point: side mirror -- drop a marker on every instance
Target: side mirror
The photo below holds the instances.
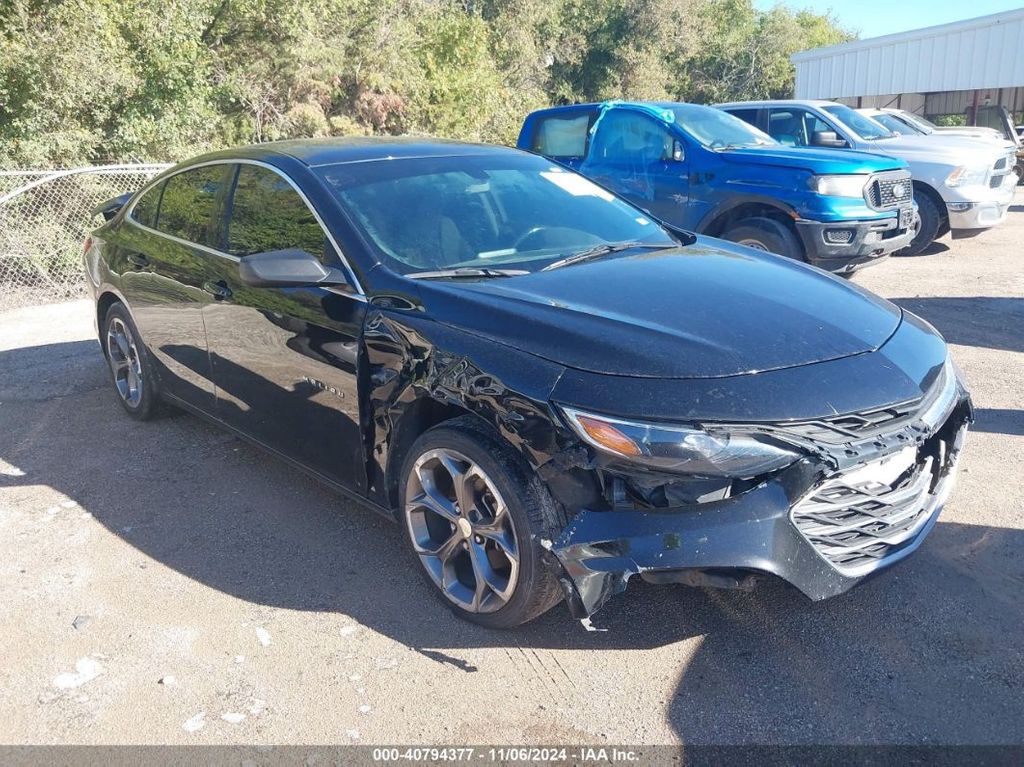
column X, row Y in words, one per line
column 291, row 268
column 678, row 155
column 827, row 138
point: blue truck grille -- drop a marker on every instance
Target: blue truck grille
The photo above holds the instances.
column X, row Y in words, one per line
column 890, row 190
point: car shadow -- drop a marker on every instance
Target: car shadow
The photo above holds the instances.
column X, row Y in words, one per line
column 932, row 250
column 999, row 421
column 770, row 666
column 983, row 321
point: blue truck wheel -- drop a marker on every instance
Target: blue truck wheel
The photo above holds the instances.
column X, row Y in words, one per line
column 765, row 234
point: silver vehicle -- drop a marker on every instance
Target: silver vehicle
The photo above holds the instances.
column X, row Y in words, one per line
column 907, row 123
column 961, row 184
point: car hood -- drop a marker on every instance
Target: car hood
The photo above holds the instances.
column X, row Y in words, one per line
column 958, row 150
column 818, row 161
column 702, row 311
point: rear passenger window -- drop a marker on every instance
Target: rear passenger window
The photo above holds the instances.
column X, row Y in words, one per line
column 562, row 136
column 747, row 115
column 189, row 202
column 145, row 209
column 268, row 214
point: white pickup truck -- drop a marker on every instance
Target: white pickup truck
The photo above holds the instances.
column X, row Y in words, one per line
column 910, row 124
column 961, row 184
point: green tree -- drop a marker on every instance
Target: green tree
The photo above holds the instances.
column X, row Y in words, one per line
column 86, row 81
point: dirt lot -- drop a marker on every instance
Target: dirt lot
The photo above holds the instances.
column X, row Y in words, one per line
column 167, row 583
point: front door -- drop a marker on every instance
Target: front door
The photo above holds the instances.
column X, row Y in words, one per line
column 633, row 154
column 285, row 360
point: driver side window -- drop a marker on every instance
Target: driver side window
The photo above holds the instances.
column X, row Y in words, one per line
column 267, row 214
column 631, row 139
column 795, row 127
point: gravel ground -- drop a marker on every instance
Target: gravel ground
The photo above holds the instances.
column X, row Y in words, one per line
column 167, row 583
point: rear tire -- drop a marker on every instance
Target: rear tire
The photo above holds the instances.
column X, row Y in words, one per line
column 766, row 234
column 929, row 222
column 130, row 366
column 484, row 561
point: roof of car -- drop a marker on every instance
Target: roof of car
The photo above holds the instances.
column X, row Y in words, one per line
column 333, row 151
column 780, row 102
column 616, row 103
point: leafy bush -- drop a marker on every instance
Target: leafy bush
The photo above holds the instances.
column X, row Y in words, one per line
column 85, row 81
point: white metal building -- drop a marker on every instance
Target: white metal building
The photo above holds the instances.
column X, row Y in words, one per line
column 946, row 69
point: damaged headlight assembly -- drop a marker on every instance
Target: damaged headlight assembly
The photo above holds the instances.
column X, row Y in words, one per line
column 679, row 449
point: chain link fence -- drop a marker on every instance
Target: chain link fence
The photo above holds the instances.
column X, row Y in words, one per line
column 44, row 218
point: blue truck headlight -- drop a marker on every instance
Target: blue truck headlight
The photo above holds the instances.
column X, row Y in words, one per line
column 681, row 449
column 848, row 185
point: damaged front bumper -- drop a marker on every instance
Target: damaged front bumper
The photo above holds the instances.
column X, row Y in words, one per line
column 822, row 528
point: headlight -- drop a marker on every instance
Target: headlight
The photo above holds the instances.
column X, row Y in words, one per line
column 679, row 448
column 940, row 402
column 964, row 176
column 839, row 186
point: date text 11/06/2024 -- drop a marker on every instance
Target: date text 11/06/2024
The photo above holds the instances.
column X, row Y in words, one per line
column 504, row 754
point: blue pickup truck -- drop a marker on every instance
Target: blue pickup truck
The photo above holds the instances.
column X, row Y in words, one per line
column 698, row 168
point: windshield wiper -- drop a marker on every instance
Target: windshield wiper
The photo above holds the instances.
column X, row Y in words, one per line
column 744, row 145
column 600, row 250
column 466, row 271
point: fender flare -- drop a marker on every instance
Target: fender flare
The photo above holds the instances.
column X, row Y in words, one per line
column 736, row 201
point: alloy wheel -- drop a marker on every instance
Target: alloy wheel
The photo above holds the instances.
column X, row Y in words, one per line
column 124, row 362
column 462, row 530
column 755, row 244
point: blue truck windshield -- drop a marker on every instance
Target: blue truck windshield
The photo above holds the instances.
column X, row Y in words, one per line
column 716, row 129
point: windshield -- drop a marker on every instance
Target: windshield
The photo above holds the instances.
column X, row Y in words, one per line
column 484, row 213
column 716, row 129
column 863, row 126
column 895, row 124
column 924, row 122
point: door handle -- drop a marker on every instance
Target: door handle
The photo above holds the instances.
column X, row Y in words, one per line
column 137, row 259
column 219, row 290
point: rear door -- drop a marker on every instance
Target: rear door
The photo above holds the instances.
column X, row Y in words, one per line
column 285, row 360
column 632, row 154
column 752, row 115
column 562, row 136
column 168, row 248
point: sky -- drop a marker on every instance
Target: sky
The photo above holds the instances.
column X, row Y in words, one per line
column 873, row 18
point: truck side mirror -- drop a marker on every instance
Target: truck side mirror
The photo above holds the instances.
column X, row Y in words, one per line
column 827, row 138
column 678, row 155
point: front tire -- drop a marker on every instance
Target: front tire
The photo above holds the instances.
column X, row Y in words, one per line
column 928, row 223
column 130, row 366
column 766, row 234
column 473, row 512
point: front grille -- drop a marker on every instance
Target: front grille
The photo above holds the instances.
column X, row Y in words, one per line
column 872, row 507
column 853, row 427
column 1001, row 168
column 889, row 190
column 855, row 520
column 872, row 425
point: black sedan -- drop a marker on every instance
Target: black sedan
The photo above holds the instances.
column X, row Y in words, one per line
column 549, row 390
